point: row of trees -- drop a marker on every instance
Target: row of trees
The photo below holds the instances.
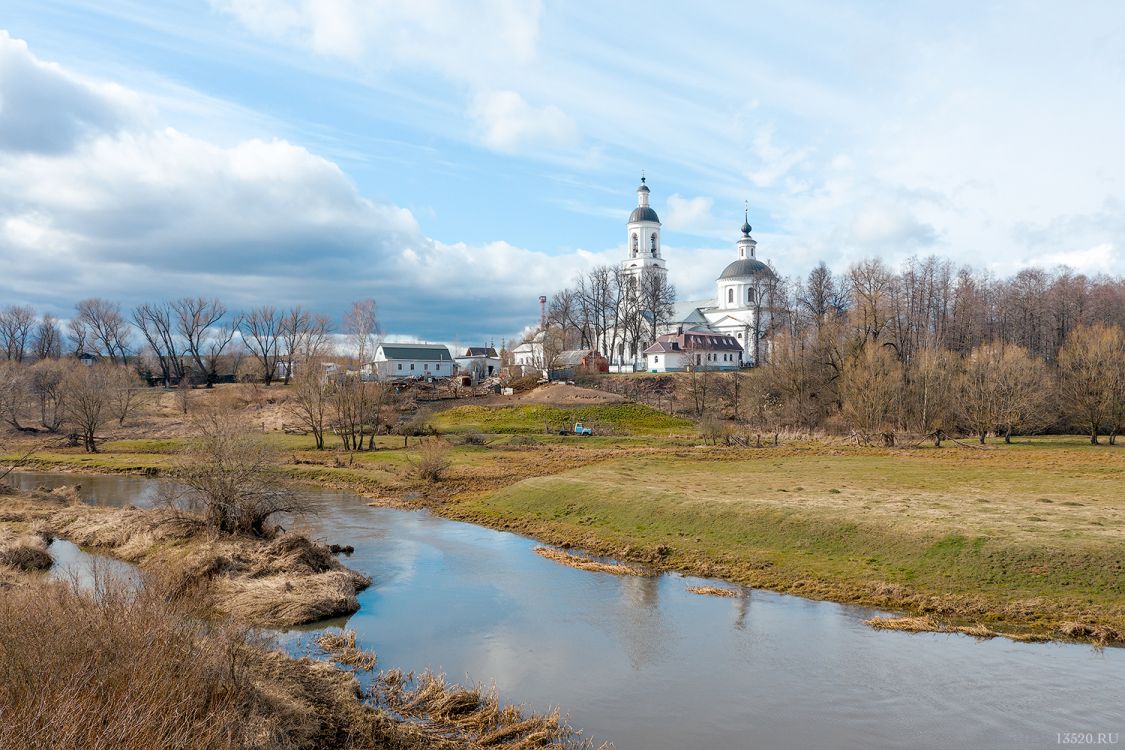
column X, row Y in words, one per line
column 190, row 338
column 609, row 309
column 932, row 351
column 66, row 395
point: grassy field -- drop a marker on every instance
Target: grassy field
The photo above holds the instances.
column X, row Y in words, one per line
column 609, row 419
column 1024, row 536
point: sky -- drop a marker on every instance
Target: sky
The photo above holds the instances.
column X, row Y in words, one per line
column 456, row 160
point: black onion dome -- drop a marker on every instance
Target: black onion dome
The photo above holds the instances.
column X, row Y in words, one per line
column 745, row 267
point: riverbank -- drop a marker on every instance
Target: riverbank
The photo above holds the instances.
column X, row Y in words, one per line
column 1023, row 539
column 173, row 663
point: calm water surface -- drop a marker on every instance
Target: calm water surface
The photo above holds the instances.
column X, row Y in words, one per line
column 645, row 664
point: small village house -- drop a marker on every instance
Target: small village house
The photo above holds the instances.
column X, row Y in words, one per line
column 410, row 361
column 479, row 362
column 694, row 350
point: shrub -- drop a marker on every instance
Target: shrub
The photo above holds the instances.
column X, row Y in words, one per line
column 433, row 460
column 233, row 476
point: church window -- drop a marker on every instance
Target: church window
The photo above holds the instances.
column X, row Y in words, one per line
column 655, row 358
column 654, row 243
column 750, row 296
column 730, row 294
column 636, row 243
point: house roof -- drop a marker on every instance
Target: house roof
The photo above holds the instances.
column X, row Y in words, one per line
column 694, row 341
column 480, row 351
column 431, row 352
column 573, row 357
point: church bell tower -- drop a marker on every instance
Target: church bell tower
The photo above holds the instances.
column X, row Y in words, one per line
column 643, row 249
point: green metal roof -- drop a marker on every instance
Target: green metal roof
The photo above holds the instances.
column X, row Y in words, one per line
column 430, row 352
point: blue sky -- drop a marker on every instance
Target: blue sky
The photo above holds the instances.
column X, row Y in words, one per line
column 455, row 160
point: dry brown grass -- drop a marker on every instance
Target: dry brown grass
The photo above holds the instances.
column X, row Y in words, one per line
column 583, row 562
column 272, row 583
column 927, row 624
column 469, row 718
column 342, row 648
column 714, row 591
column 26, row 554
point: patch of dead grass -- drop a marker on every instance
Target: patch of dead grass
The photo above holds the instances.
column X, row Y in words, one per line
column 583, row 562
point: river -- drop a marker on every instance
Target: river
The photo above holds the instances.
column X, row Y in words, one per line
column 645, row 664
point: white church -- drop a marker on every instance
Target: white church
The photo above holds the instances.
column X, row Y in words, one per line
column 721, row 333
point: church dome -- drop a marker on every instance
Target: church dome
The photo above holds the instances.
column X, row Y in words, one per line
column 745, row 267
column 643, row 213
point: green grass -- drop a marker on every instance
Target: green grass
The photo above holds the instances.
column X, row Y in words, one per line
column 615, row 419
column 1013, row 524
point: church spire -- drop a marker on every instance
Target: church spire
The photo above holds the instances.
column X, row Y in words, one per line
column 746, row 244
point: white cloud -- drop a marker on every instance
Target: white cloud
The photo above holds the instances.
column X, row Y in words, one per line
column 45, row 109
column 465, row 41
column 1101, row 258
column 506, row 122
column 132, row 212
column 690, row 214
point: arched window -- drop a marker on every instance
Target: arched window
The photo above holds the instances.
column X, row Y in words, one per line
column 636, row 243
column 750, row 296
column 730, row 295
column 654, row 243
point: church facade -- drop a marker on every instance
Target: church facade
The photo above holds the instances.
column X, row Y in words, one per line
column 741, row 292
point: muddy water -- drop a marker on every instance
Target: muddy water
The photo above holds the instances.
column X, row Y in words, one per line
column 645, row 664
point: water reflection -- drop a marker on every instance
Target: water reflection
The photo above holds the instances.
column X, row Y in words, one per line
column 645, row 663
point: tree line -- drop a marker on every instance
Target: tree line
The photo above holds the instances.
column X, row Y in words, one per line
column 936, row 351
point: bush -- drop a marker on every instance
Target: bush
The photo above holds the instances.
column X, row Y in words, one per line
column 433, row 460
column 475, row 438
column 233, row 476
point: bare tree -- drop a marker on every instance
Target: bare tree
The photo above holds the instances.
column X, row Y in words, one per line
column 46, row 388
column 1088, row 369
column 47, row 340
column 361, row 325
column 126, row 392
column 87, row 401
column 930, row 397
column 305, row 337
column 157, row 324
column 232, row 473
column 104, row 328
column 16, row 323
column 262, row 331
column 13, row 392
column 312, row 400
column 869, row 389
column 206, row 332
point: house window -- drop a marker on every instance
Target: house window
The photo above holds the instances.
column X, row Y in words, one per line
column 437, row 366
column 400, row 365
column 411, row 365
column 730, row 295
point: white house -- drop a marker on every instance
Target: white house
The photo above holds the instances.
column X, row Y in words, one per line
column 411, row 361
column 480, row 362
column 698, row 349
column 530, row 353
